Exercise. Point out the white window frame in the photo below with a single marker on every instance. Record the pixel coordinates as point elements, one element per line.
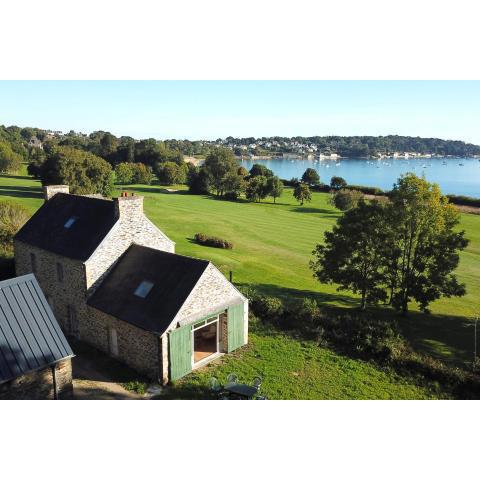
<point>198,326</point>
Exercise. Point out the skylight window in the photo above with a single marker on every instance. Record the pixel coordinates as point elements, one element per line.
<point>70,222</point>
<point>143,289</point>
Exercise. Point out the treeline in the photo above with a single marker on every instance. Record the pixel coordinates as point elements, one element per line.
<point>360,146</point>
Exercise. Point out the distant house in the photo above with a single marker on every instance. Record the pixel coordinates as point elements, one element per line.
<point>35,142</point>
<point>114,281</point>
<point>35,357</point>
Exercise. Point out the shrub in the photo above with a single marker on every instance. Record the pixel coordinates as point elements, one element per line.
<point>216,242</point>
<point>267,308</point>
<point>12,218</point>
<point>135,386</point>
<point>10,161</point>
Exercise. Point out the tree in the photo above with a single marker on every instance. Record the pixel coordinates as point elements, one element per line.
<point>219,164</point>
<point>274,187</point>
<point>256,188</point>
<point>142,174</point>
<point>167,173</point>
<point>84,172</point>
<point>354,254</point>
<point>337,183</point>
<point>302,193</point>
<point>10,161</point>
<point>346,199</point>
<point>242,171</point>
<point>258,169</point>
<point>124,173</point>
<point>311,177</point>
<point>199,181</point>
<point>234,185</point>
<point>426,244</point>
<point>12,217</point>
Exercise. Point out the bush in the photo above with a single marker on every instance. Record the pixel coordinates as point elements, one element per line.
<point>12,217</point>
<point>216,242</point>
<point>267,308</point>
<point>10,161</point>
<point>135,386</point>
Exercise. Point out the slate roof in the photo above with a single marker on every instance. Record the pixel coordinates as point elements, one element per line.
<point>173,277</point>
<point>94,218</point>
<point>30,337</point>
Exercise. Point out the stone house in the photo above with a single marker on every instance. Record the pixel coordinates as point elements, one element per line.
<point>35,357</point>
<point>113,280</point>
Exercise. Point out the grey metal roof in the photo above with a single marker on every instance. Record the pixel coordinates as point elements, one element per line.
<point>30,336</point>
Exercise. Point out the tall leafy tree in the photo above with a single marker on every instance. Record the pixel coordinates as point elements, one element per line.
<point>259,169</point>
<point>337,183</point>
<point>302,193</point>
<point>256,188</point>
<point>426,244</point>
<point>274,187</point>
<point>84,172</point>
<point>353,254</point>
<point>311,177</point>
<point>219,164</point>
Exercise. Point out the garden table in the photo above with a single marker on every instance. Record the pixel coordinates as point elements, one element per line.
<point>241,389</point>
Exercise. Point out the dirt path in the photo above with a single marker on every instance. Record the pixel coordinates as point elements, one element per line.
<point>92,381</point>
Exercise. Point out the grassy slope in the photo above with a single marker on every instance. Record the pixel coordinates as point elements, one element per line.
<point>273,245</point>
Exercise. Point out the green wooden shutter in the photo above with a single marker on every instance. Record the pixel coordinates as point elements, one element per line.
<point>180,346</point>
<point>236,336</point>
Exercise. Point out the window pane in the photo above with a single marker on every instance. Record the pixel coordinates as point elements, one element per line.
<point>143,289</point>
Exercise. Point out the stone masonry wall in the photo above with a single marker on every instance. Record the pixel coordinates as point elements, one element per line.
<point>60,294</point>
<point>137,348</point>
<point>38,385</point>
<point>132,227</point>
<point>213,292</point>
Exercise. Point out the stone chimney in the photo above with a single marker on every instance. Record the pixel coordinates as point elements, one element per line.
<point>50,190</point>
<point>130,206</point>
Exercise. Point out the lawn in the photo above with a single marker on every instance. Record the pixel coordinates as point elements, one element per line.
<point>272,248</point>
<point>295,369</point>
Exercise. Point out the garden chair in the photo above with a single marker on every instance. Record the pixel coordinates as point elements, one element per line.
<point>214,385</point>
<point>257,382</point>
<point>232,378</point>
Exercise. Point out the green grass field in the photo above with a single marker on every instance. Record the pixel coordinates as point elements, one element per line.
<point>272,248</point>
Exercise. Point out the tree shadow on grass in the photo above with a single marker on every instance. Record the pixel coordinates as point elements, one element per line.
<point>17,177</point>
<point>293,293</point>
<point>323,211</point>
<point>158,189</point>
<point>21,192</point>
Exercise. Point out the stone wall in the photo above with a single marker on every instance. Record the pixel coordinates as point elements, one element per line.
<point>60,294</point>
<point>132,227</point>
<point>137,348</point>
<point>38,385</point>
<point>212,293</point>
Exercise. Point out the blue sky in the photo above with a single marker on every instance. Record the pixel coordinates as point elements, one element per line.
<point>212,109</point>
